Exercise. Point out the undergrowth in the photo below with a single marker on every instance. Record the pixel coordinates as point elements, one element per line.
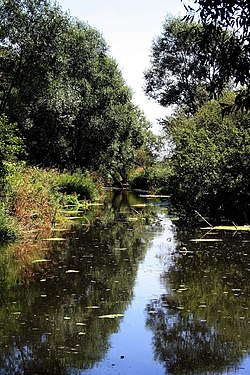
<point>33,198</point>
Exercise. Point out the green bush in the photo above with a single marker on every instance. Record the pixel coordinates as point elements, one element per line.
<point>154,178</point>
<point>7,231</point>
<point>80,183</point>
<point>211,162</point>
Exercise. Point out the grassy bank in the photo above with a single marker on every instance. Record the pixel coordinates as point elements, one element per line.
<point>33,197</point>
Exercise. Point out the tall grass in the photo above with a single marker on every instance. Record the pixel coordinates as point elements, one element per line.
<point>33,198</point>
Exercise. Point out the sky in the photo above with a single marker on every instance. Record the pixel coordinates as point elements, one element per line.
<point>129,27</point>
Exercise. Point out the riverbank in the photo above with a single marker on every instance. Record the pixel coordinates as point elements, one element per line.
<point>32,198</point>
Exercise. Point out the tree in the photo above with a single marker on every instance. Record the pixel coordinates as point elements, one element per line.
<point>210,161</point>
<point>179,73</point>
<point>62,88</point>
<point>235,57</point>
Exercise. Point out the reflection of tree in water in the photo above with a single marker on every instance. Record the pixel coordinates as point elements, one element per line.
<point>187,345</point>
<point>202,325</point>
<point>51,325</point>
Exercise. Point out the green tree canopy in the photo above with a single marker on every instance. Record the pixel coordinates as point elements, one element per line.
<point>180,73</point>
<point>235,55</point>
<point>210,161</point>
<point>63,89</point>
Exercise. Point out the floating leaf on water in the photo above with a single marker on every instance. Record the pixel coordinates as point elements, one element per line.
<point>111,316</point>
<point>55,239</point>
<point>93,307</point>
<point>230,227</point>
<point>139,205</point>
<point>72,211</point>
<point>76,217</point>
<point>40,260</point>
<point>72,271</point>
<point>153,196</point>
<point>206,240</point>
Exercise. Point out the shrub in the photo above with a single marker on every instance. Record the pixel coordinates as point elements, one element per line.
<point>155,178</point>
<point>7,230</point>
<point>80,183</point>
<point>211,162</point>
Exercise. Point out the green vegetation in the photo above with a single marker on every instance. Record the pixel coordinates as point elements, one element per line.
<point>64,91</point>
<point>64,106</point>
<point>34,197</point>
<point>234,57</point>
<point>202,70</point>
<point>178,74</point>
<point>211,161</point>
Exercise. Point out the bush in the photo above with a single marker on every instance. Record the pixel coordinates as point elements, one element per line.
<point>7,231</point>
<point>80,183</point>
<point>10,144</point>
<point>155,178</point>
<point>211,162</point>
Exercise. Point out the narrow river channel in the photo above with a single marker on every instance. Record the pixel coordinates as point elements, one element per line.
<point>125,291</point>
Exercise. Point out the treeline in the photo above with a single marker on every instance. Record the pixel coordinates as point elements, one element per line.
<point>67,119</point>
<point>200,68</point>
<point>65,93</point>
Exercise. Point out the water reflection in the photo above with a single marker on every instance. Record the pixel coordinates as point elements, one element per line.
<point>53,322</point>
<point>52,295</point>
<point>202,324</point>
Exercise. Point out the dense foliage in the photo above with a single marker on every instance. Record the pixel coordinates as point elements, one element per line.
<point>211,162</point>
<point>180,73</point>
<point>235,55</point>
<point>10,144</point>
<point>65,92</point>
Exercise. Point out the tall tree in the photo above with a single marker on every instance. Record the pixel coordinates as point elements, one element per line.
<point>62,87</point>
<point>179,73</point>
<point>235,55</point>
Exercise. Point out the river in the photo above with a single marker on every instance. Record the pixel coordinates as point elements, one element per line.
<point>125,291</point>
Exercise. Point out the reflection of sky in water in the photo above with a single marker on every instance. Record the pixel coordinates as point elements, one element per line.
<point>183,302</point>
<point>243,370</point>
<point>133,341</point>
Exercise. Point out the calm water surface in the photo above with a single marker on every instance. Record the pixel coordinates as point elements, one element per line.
<point>126,292</point>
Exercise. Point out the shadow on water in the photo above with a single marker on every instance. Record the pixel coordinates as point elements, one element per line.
<point>62,301</point>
